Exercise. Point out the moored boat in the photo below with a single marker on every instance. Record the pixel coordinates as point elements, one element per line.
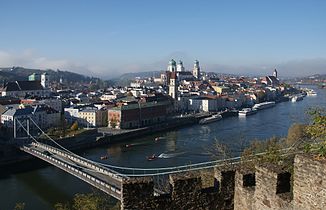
<point>247,111</point>
<point>264,105</point>
<point>210,119</point>
<point>297,98</point>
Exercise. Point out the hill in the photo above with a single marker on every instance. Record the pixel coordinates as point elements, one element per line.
<point>21,73</point>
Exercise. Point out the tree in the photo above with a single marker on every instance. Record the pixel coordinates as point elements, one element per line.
<point>296,132</point>
<point>19,206</point>
<point>74,126</point>
<point>90,201</point>
<point>317,131</point>
<point>60,206</point>
<point>317,128</point>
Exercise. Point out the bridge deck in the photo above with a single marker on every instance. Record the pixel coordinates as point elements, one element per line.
<point>102,178</point>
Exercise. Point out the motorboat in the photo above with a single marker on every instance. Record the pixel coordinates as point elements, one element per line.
<point>104,157</point>
<point>152,157</point>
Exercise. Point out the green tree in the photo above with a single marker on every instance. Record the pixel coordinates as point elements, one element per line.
<point>317,131</point>
<point>317,128</point>
<point>91,201</point>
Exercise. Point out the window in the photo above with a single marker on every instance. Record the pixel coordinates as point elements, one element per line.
<point>249,180</point>
<point>283,183</point>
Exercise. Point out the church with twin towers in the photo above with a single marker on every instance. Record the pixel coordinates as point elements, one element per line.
<point>176,72</point>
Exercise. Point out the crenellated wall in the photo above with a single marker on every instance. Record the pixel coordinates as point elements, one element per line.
<point>266,187</point>
<point>309,186</point>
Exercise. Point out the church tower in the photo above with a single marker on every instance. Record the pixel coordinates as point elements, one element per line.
<point>45,80</point>
<point>275,73</point>
<point>196,70</point>
<point>173,85</point>
<point>172,66</point>
<point>180,67</point>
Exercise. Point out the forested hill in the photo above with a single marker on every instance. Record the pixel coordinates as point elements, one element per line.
<point>21,73</point>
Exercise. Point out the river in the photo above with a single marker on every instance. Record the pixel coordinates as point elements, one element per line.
<point>40,187</point>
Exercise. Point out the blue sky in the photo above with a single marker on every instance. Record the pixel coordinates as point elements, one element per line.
<point>108,38</point>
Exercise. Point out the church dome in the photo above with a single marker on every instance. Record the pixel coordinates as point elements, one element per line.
<point>172,62</point>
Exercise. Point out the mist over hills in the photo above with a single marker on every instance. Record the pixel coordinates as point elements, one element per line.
<point>21,73</point>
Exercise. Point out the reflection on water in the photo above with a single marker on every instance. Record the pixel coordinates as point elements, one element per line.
<point>41,188</point>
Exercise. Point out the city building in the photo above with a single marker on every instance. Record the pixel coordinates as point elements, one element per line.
<point>34,77</point>
<point>173,85</point>
<point>172,66</point>
<point>196,70</point>
<point>22,89</point>
<point>45,80</point>
<point>135,115</point>
<point>180,67</point>
<point>44,116</point>
<point>92,117</point>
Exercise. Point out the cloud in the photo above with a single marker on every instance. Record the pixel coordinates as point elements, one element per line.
<point>30,59</point>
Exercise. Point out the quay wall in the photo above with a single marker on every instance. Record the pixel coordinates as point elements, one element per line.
<point>267,187</point>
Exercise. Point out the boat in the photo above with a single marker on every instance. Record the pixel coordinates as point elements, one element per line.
<point>247,111</point>
<point>104,157</point>
<point>159,138</point>
<point>311,93</point>
<point>297,98</point>
<point>210,119</point>
<point>152,157</point>
<point>264,105</point>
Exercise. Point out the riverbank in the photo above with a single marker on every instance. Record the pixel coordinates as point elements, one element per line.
<point>93,138</point>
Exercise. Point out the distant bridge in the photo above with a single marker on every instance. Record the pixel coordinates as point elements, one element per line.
<point>105,177</point>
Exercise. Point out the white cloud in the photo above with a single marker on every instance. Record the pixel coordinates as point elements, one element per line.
<point>30,59</point>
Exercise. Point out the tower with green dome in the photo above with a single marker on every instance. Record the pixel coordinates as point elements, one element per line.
<point>172,67</point>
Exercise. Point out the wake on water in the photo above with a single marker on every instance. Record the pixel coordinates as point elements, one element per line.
<point>170,155</point>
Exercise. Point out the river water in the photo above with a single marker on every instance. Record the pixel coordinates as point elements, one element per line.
<point>42,187</point>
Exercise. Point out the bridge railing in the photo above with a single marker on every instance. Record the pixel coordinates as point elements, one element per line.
<point>74,170</point>
<point>84,162</point>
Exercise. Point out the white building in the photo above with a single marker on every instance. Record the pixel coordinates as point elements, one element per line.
<point>203,104</point>
<point>173,85</point>
<point>45,80</point>
<point>196,70</point>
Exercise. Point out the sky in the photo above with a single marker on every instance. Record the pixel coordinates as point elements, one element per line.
<point>108,38</point>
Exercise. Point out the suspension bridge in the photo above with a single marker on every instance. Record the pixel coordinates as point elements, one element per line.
<point>105,177</point>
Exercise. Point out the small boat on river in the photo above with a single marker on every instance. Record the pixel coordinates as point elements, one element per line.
<point>152,157</point>
<point>104,157</point>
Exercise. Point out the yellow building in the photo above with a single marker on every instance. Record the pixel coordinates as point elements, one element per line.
<point>221,89</point>
<point>93,117</point>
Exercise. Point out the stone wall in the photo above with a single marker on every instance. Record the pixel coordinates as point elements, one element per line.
<point>309,186</point>
<point>186,193</point>
<point>267,187</point>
